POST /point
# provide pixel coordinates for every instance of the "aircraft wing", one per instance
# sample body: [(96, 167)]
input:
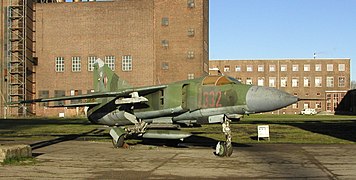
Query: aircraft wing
[(125, 92)]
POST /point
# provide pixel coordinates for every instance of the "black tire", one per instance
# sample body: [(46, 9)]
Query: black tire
[(120, 142), (221, 150), (229, 150)]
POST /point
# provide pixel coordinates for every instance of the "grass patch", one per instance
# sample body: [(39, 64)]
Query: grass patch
[(19, 161), (319, 129)]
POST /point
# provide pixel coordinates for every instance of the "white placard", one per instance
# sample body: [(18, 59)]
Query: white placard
[(263, 131)]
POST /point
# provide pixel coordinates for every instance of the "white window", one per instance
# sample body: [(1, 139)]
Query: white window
[(190, 54), (317, 67), (249, 81), (283, 81), (341, 67), (76, 64), (329, 67), (226, 68), (342, 81), (190, 76), (59, 64), (283, 67), (318, 81), (295, 106), (91, 61), (261, 68), (295, 67), (306, 82), (272, 68), (306, 67), (295, 82), (237, 68), (249, 68), (126, 63), (329, 81), (110, 61), (261, 81), (272, 82)]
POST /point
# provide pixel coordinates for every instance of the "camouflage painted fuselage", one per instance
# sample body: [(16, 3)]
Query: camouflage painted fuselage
[(202, 100)]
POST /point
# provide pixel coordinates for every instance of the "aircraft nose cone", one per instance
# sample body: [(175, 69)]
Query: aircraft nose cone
[(263, 99)]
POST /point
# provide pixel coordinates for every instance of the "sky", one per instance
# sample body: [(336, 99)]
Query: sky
[(266, 29)]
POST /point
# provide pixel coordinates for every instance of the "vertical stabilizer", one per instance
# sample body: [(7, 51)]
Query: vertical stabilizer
[(105, 80)]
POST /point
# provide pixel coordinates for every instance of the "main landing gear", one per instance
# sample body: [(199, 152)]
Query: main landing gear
[(224, 148)]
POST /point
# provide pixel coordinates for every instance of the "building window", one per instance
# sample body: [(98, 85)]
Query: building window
[(295, 106), (59, 64), (59, 93), (306, 67), (284, 81), (318, 105), (261, 81), (190, 4), (283, 67), (76, 64), (272, 82), (126, 63), (226, 68), (317, 67), (318, 81), (272, 68), (329, 81), (43, 94), (261, 68), (165, 21), (237, 68), (75, 93), (190, 76), (249, 68), (342, 67), (295, 67), (91, 61), (249, 81), (190, 54), (191, 32), (329, 67), (165, 43), (165, 66), (110, 61), (306, 82), (341, 81), (295, 82)]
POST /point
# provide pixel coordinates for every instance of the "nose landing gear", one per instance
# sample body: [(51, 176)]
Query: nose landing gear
[(224, 148)]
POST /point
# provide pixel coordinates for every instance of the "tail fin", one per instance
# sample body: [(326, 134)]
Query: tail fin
[(105, 80)]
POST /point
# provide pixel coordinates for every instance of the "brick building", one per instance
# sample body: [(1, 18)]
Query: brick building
[(146, 42), (327, 80)]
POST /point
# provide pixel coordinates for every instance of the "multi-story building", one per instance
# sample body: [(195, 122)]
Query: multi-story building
[(324, 80), (146, 42)]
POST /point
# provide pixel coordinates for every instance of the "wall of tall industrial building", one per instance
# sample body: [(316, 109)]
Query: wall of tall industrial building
[(166, 40)]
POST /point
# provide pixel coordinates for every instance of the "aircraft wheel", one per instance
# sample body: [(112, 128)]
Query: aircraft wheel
[(120, 142), (229, 151), (221, 149)]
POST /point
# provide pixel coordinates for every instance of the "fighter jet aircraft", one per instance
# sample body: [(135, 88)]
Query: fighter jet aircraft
[(155, 111)]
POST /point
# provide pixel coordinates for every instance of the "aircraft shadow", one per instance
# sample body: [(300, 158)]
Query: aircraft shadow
[(192, 141)]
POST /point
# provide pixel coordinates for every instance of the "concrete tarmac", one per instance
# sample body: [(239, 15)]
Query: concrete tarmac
[(99, 160)]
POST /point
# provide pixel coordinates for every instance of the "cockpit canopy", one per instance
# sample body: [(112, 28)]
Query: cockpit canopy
[(214, 80)]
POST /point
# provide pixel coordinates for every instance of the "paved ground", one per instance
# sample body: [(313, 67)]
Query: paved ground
[(98, 160)]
